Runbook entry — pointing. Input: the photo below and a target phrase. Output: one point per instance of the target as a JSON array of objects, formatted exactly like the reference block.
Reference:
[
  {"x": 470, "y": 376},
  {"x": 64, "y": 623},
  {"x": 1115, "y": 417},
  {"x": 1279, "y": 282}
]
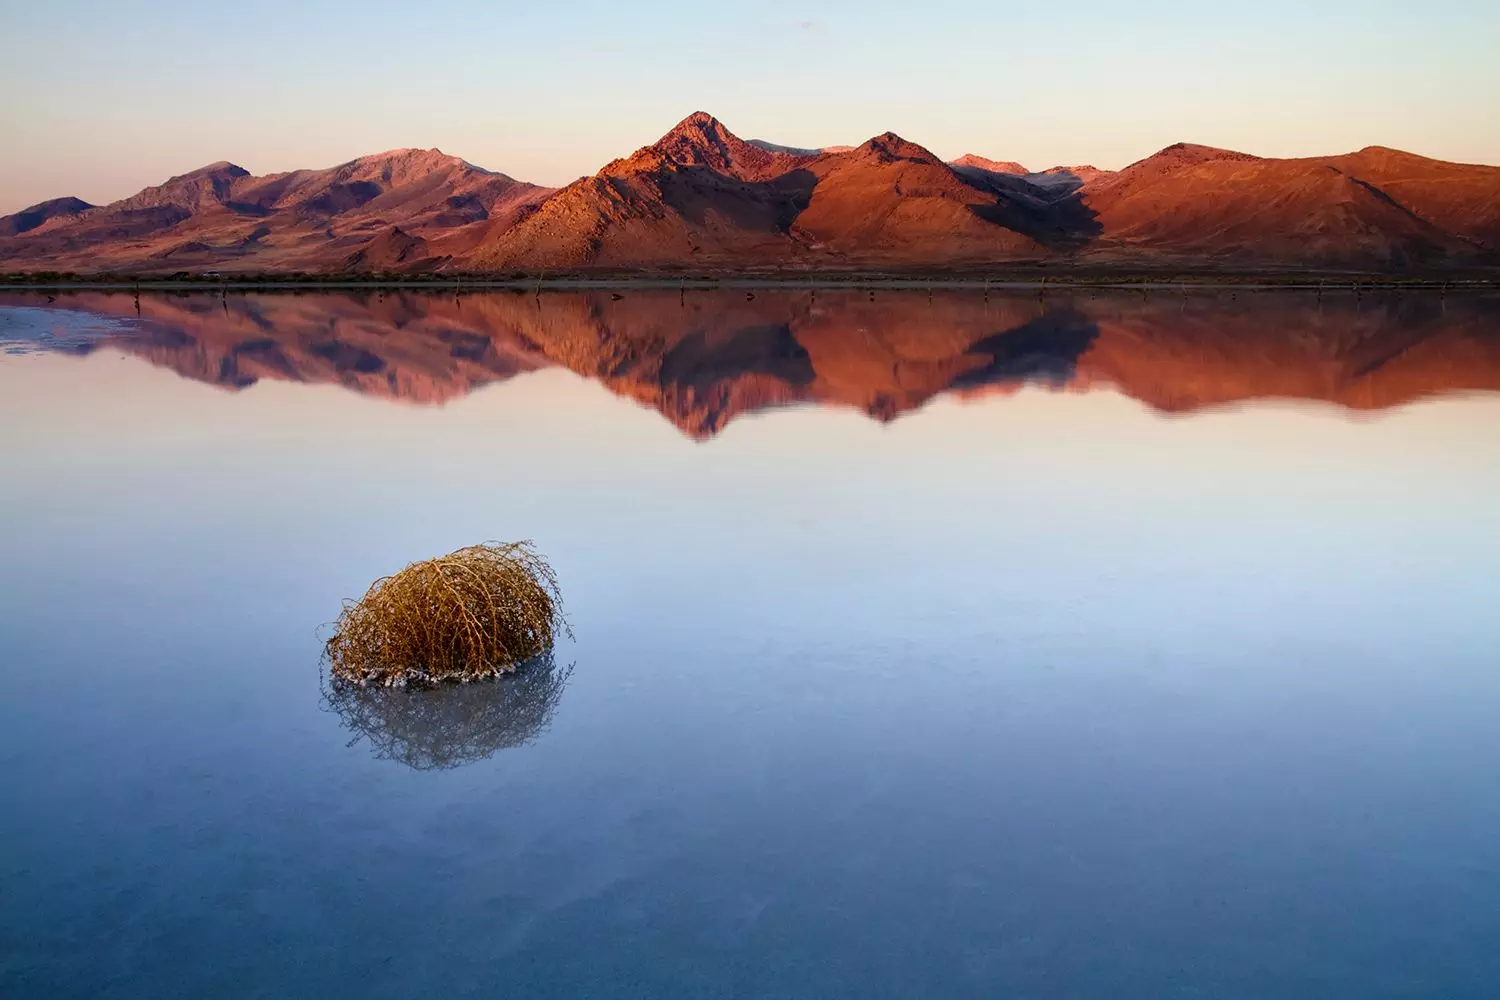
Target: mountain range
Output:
[
  {"x": 703, "y": 201},
  {"x": 704, "y": 358}
]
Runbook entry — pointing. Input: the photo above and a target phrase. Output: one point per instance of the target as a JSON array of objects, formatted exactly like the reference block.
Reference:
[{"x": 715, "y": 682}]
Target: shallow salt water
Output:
[{"x": 1060, "y": 650}]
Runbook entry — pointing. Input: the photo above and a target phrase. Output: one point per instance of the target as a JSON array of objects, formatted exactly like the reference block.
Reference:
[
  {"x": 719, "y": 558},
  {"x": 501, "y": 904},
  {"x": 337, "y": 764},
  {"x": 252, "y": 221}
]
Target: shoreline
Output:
[{"x": 894, "y": 281}]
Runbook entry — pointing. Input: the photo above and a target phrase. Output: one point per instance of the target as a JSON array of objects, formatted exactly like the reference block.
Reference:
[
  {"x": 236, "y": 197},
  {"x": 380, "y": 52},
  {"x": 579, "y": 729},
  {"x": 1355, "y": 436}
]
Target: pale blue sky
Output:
[{"x": 102, "y": 98}]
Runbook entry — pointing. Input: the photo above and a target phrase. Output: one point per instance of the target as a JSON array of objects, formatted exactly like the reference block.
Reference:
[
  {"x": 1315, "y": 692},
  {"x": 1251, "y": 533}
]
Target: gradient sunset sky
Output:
[{"x": 103, "y": 98}]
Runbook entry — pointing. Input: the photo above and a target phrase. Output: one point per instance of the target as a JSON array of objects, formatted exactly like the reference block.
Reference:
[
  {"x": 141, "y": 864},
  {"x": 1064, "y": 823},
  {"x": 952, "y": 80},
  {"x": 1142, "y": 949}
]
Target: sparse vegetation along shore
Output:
[{"x": 997, "y": 278}]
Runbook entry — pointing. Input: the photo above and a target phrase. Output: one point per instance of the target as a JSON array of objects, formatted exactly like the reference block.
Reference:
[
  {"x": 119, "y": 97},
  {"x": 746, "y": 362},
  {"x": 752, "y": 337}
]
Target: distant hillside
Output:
[
  {"x": 702, "y": 200},
  {"x": 222, "y": 218},
  {"x": 28, "y": 219}
]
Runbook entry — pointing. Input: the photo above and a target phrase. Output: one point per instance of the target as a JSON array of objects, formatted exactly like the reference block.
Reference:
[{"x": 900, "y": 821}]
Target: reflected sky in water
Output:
[{"x": 1015, "y": 689}]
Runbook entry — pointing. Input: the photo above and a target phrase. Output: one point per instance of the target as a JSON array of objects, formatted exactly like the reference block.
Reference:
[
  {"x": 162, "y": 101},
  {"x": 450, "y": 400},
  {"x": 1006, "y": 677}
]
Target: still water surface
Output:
[{"x": 1095, "y": 648}]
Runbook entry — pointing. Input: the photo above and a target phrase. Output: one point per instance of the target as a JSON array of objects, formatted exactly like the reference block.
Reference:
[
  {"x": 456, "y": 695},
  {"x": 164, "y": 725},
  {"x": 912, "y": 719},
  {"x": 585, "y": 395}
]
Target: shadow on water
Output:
[
  {"x": 454, "y": 724},
  {"x": 771, "y": 350},
  {"x": 1044, "y": 351}
]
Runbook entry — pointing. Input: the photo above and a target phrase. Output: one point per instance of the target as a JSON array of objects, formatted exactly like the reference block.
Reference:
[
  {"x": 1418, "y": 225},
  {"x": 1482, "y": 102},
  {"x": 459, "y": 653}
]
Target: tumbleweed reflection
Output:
[{"x": 452, "y": 724}]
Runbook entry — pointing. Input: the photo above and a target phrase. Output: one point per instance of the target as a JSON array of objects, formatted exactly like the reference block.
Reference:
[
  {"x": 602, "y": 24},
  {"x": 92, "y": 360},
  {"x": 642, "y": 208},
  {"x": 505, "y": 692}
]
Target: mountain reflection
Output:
[
  {"x": 453, "y": 724},
  {"x": 701, "y": 358}
]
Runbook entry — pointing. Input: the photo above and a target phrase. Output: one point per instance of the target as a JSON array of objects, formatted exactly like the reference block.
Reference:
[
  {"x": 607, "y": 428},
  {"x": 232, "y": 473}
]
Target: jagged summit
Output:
[
  {"x": 216, "y": 167},
  {"x": 218, "y": 170},
  {"x": 978, "y": 162},
  {"x": 1085, "y": 172},
  {"x": 413, "y": 159},
  {"x": 776, "y": 147},
  {"x": 890, "y": 146},
  {"x": 1386, "y": 154},
  {"x": 698, "y": 121},
  {"x": 188, "y": 192},
  {"x": 1191, "y": 153},
  {"x": 701, "y": 140}
]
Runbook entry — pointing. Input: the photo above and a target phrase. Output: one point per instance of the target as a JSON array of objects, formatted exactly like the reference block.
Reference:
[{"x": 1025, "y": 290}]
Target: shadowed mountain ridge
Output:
[{"x": 702, "y": 200}]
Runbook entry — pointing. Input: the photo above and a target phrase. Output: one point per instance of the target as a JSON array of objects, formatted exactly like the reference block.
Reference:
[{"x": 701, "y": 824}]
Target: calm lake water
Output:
[{"x": 1081, "y": 646}]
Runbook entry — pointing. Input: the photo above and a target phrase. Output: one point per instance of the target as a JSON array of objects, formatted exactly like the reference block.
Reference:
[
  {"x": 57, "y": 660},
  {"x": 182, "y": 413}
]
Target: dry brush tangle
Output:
[{"x": 469, "y": 615}]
